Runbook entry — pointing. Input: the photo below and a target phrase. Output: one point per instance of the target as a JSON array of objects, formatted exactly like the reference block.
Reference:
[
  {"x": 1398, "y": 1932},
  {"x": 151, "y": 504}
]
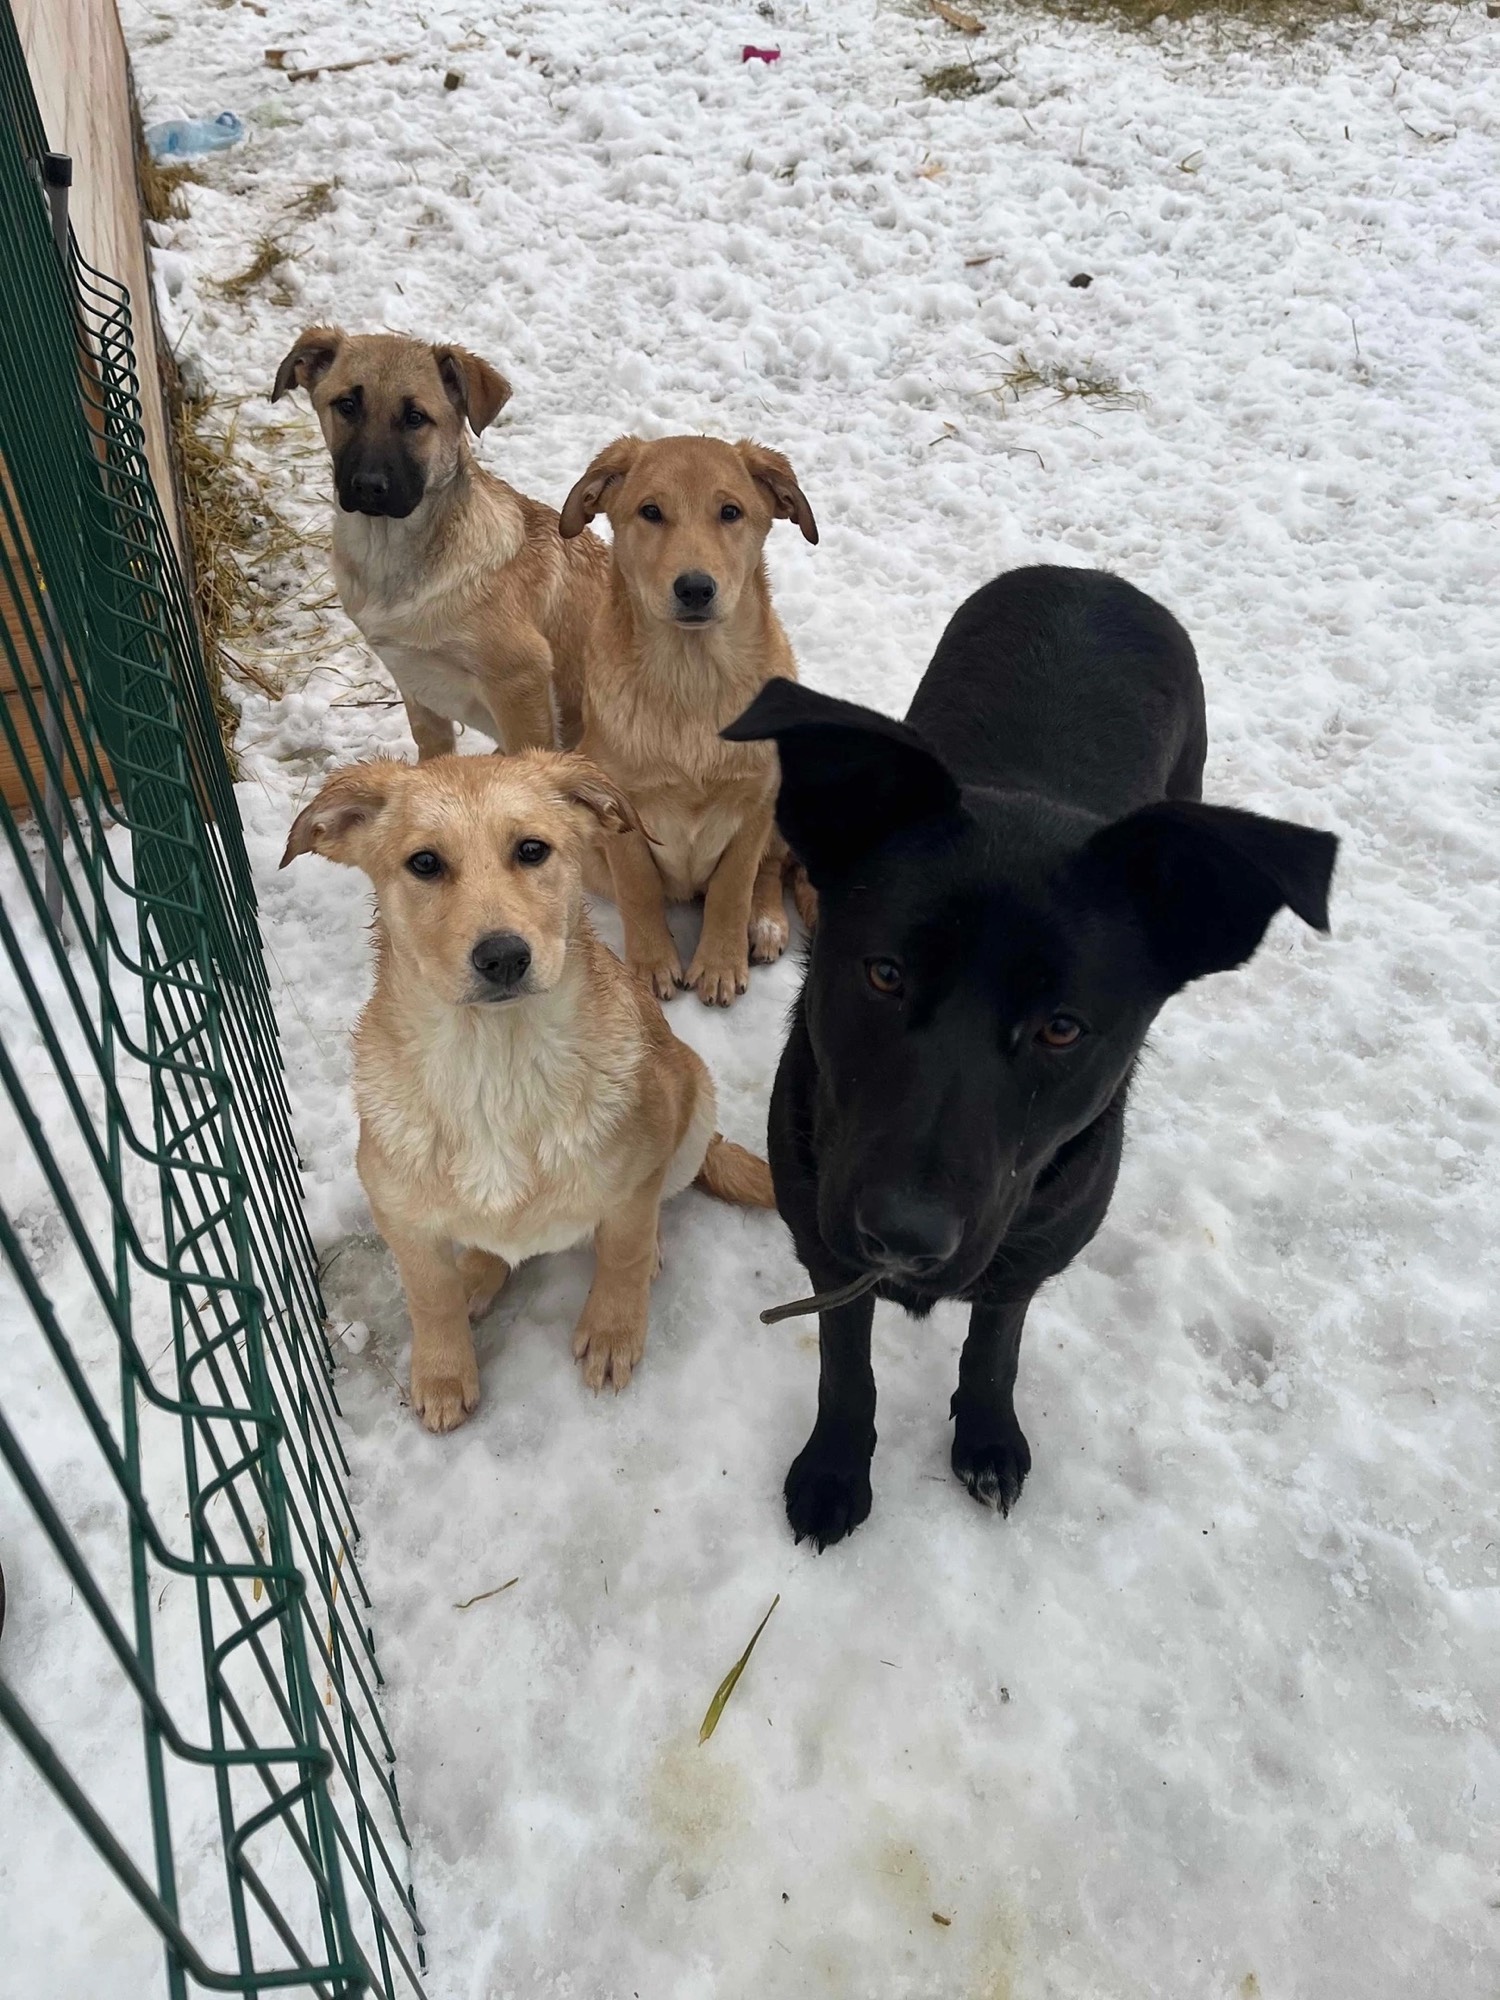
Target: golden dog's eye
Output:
[
  {"x": 425, "y": 865},
  {"x": 415, "y": 418},
  {"x": 1061, "y": 1032},
  {"x": 347, "y": 406},
  {"x": 730, "y": 512},
  {"x": 883, "y": 974},
  {"x": 651, "y": 512},
  {"x": 532, "y": 853}
]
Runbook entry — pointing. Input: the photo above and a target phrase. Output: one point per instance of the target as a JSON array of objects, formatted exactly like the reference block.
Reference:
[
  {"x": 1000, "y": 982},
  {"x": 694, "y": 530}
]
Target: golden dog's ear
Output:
[
  {"x": 587, "y": 497},
  {"x": 770, "y": 470},
  {"x": 309, "y": 361},
  {"x": 347, "y": 806},
  {"x": 584, "y": 784},
  {"x": 475, "y": 390}
]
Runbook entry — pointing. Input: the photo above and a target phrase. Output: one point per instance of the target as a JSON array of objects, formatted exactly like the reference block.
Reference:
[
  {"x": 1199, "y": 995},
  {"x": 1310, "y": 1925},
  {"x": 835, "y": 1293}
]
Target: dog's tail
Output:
[{"x": 729, "y": 1173}]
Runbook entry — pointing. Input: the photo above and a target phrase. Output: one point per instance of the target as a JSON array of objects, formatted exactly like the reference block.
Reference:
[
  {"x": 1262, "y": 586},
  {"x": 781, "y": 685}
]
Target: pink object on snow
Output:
[{"x": 747, "y": 54}]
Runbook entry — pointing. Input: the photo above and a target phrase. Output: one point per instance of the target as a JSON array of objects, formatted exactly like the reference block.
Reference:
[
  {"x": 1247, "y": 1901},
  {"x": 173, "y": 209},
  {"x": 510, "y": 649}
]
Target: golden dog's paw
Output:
[
  {"x": 444, "y": 1397},
  {"x": 662, "y": 974},
  {"x": 609, "y": 1353},
  {"x": 719, "y": 982},
  {"x": 769, "y": 936}
]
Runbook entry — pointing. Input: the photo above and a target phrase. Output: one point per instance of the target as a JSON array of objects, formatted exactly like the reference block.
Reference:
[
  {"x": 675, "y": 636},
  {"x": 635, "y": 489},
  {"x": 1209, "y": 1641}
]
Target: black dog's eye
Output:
[
  {"x": 425, "y": 865},
  {"x": 347, "y": 406},
  {"x": 883, "y": 974},
  {"x": 532, "y": 853},
  {"x": 413, "y": 418},
  {"x": 730, "y": 512},
  {"x": 1061, "y": 1032},
  {"x": 651, "y": 512}
]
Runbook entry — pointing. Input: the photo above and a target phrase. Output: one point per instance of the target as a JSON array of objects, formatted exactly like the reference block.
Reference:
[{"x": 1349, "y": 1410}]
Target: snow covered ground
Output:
[{"x": 1214, "y": 1713}]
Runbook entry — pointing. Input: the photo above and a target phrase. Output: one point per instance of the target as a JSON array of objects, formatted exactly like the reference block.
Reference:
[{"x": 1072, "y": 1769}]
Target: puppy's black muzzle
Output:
[{"x": 389, "y": 486}]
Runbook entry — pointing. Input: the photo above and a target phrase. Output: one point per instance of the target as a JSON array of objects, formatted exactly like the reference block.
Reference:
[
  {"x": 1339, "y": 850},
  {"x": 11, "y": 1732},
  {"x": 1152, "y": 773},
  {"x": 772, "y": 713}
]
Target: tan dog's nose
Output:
[
  {"x": 695, "y": 590},
  {"x": 502, "y": 960}
]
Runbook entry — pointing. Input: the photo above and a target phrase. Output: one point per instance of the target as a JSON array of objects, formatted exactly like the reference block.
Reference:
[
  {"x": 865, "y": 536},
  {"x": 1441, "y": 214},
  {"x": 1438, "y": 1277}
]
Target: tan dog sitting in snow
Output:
[
  {"x": 476, "y": 608},
  {"x": 518, "y": 1090},
  {"x": 684, "y": 640}
]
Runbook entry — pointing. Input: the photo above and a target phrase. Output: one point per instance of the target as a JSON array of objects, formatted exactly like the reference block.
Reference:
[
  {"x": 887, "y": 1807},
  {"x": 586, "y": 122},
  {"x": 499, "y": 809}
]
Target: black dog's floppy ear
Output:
[
  {"x": 1205, "y": 881},
  {"x": 849, "y": 776}
]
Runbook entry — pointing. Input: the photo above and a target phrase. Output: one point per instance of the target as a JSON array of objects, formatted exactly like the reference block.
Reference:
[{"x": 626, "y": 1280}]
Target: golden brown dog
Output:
[
  {"x": 685, "y": 637},
  {"x": 462, "y": 586},
  {"x": 518, "y": 1090}
]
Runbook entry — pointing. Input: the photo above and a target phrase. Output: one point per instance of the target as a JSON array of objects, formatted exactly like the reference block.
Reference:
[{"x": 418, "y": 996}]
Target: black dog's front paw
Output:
[
  {"x": 991, "y": 1456},
  {"x": 827, "y": 1493}
]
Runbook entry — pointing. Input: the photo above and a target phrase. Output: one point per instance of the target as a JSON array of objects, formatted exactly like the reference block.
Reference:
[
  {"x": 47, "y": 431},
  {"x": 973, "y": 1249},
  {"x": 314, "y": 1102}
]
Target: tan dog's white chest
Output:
[
  {"x": 689, "y": 833},
  {"x": 498, "y": 1133}
]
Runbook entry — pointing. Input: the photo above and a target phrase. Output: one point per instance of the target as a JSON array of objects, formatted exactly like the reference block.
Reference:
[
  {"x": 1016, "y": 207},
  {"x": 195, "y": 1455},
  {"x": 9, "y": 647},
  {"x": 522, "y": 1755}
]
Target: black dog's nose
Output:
[
  {"x": 906, "y": 1233},
  {"x": 502, "y": 960},
  {"x": 370, "y": 489},
  {"x": 695, "y": 590}
]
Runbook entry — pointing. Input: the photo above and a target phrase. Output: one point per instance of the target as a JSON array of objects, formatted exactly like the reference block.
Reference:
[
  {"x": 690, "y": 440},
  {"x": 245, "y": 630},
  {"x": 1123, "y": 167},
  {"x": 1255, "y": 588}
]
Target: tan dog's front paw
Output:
[
  {"x": 444, "y": 1397},
  {"x": 769, "y": 937},
  {"x": 609, "y": 1353},
  {"x": 719, "y": 982},
  {"x": 662, "y": 973}
]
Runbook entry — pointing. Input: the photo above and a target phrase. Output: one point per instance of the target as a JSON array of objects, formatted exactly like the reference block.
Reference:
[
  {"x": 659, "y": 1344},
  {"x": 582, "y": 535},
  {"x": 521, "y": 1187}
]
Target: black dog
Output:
[{"x": 1010, "y": 885}]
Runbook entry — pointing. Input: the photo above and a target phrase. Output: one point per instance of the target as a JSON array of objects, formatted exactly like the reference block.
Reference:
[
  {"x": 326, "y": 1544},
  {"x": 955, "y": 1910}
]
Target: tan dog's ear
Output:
[
  {"x": 475, "y": 390},
  {"x": 309, "y": 361},
  {"x": 587, "y": 497},
  {"x": 584, "y": 784},
  {"x": 349, "y": 803},
  {"x": 771, "y": 470}
]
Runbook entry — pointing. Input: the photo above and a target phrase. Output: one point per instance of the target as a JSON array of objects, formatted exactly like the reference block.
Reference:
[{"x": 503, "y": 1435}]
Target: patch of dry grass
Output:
[
  {"x": 161, "y": 187},
  {"x": 235, "y": 533},
  {"x": 957, "y": 80},
  {"x": 267, "y": 261},
  {"x": 1289, "y": 20},
  {"x": 1086, "y": 381},
  {"x": 313, "y": 203}
]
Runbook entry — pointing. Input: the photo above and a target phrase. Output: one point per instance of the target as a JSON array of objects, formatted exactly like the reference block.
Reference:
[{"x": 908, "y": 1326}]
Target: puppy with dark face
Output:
[
  {"x": 683, "y": 637},
  {"x": 462, "y": 586},
  {"x": 1011, "y": 884},
  {"x": 518, "y": 1091}
]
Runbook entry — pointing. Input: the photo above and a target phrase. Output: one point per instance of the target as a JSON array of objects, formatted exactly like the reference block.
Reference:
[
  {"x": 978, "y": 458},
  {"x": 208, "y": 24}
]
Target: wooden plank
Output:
[{"x": 80, "y": 72}]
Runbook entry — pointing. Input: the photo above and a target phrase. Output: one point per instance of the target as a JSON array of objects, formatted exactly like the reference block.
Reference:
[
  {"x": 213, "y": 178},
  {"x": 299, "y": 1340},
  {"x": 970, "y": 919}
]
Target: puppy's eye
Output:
[
  {"x": 532, "y": 853},
  {"x": 884, "y": 975},
  {"x": 1061, "y": 1032},
  {"x": 425, "y": 865},
  {"x": 651, "y": 512},
  {"x": 413, "y": 418},
  {"x": 347, "y": 406},
  {"x": 730, "y": 512}
]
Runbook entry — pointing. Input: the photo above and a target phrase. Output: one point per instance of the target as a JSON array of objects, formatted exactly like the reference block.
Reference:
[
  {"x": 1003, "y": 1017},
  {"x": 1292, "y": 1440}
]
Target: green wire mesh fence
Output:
[{"x": 186, "y": 1666}]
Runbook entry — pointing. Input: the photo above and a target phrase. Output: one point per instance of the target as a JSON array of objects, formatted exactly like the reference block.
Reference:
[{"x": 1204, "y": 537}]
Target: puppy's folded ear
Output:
[
  {"x": 1205, "y": 881},
  {"x": 587, "y": 497},
  {"x": 475, "y": 390},
  {"x": 849, "y": 776},
  {"x": 309, "y": 361},
  {"x": 770, "y": 470},
  {"x": 343, "y": 812},
  {"x": 584, "y": 784}
]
